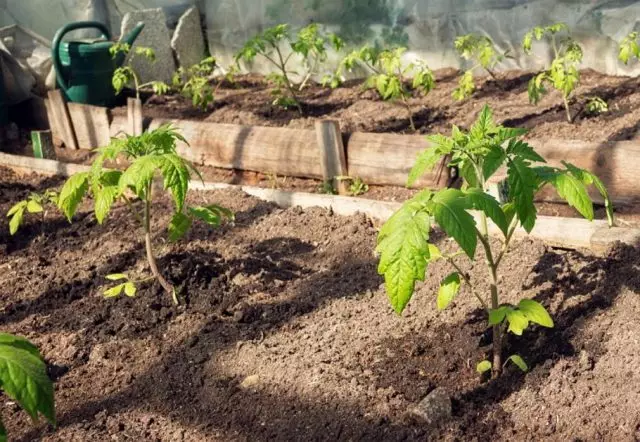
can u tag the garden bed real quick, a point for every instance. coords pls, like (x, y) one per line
(249, 102)
(286, 334)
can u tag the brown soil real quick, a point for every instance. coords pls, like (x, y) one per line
(249, 101)
(286, 334)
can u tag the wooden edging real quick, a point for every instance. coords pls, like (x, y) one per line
(573, 233)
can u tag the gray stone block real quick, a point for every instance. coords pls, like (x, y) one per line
(188, 41)
(155, 35)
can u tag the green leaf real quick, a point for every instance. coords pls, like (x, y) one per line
(493, 160)
(178, 226)
(139, 174)
(114, 291)
(211, 214)
(72, 193)
(524, 151)
(20, 342)
(574, 192)
(517, 320)
(426, 160)
(589, 178)
(116, 276)
(130, 289)
(20, 206)
(442, 143)
(449, 209)
(34, 206)
(404, 251)
(176, 178)
(522, 182)
(483, 366)
(484, 125)
(434, 253)
(497, 315)
(16, 218)
(535, 312)
(480, 200)
(104, 197)
(449, 288)
(23, 376)
(519, 362)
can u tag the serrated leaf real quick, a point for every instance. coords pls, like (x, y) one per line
(449, 288)
(449, 209)
(116, 276)
(497, 315)
(426, 160)
(443, 143)
(517, 320)
(114, 291)
(34, 207)
(16, 207)
(484, 125)
(404, 251)
(524, 151)
(179, 225)
(23, 376)
(483, 366)
(104, 197)
(211, 215)
(574, 192)
(72, 193)
(176, 177)
(130, 289)
(519, 362)
(522, 182)
(434, 253)
(493, 160)
(480, 200)
(535, 312)
(16, 220)
(589, 178)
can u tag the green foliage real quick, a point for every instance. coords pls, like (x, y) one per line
(403, 240)
(311, 45)
(389, 75)
(629, 48)
(596, 106)
(125, 74)
(23, 378)
(193, 83)
(148, 155)
(483, 53)
(35, 203)
(356, 185)
(563, 74)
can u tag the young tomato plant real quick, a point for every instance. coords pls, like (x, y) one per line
(35, 203)
(268, 45)
(389, 75)
(148, 154)
(403, 241)
(193, 82)
(312, 46)
(484, 54)
(629, 48)
(23, 378)
(126, 74)
(563, 74)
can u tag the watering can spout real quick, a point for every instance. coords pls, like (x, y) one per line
(129, 39)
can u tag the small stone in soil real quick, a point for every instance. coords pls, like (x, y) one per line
(434, 408)
(250, 381)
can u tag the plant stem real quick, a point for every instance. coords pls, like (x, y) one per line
(566, 108)
(406, 105)
(468, 282)
(497, 328)
(309, 74)
(150, 256)
(283, 68)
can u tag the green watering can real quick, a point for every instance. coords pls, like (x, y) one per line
(84, 67)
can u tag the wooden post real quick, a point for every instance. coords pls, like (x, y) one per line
(332, 154)
(59, 120)
(134, 115)
(42, 141)
(90, 124)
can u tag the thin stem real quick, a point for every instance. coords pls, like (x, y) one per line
(150, 256)
(136, 82)
(566, 108)
(505, 245)
(467, 281)
(286, 78)
(497, 330)
(408, 107)
(309, 74)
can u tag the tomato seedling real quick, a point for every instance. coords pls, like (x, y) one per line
(35, 203)
(629, 48)
(389, 76)
(482, 51)
(563, 74)
(147, 154)
(193, 82)
(403, 241)
(126, 74)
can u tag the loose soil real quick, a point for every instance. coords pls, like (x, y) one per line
(285, 333)
(249, 101)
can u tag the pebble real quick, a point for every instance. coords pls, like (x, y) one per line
(250, 381)
(434, 408)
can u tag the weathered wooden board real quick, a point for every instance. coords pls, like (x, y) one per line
(332, 154)
(90, 124)
(59, 119)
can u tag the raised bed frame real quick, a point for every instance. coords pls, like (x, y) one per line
(326, 152)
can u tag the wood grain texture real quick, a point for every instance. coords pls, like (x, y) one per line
(90, 124)
(59, 119)
(332, 154)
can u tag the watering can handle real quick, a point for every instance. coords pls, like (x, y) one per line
(57, 39)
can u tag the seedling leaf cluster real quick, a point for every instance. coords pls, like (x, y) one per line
(403, 241)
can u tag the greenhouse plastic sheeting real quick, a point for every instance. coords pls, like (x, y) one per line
(427, 27)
